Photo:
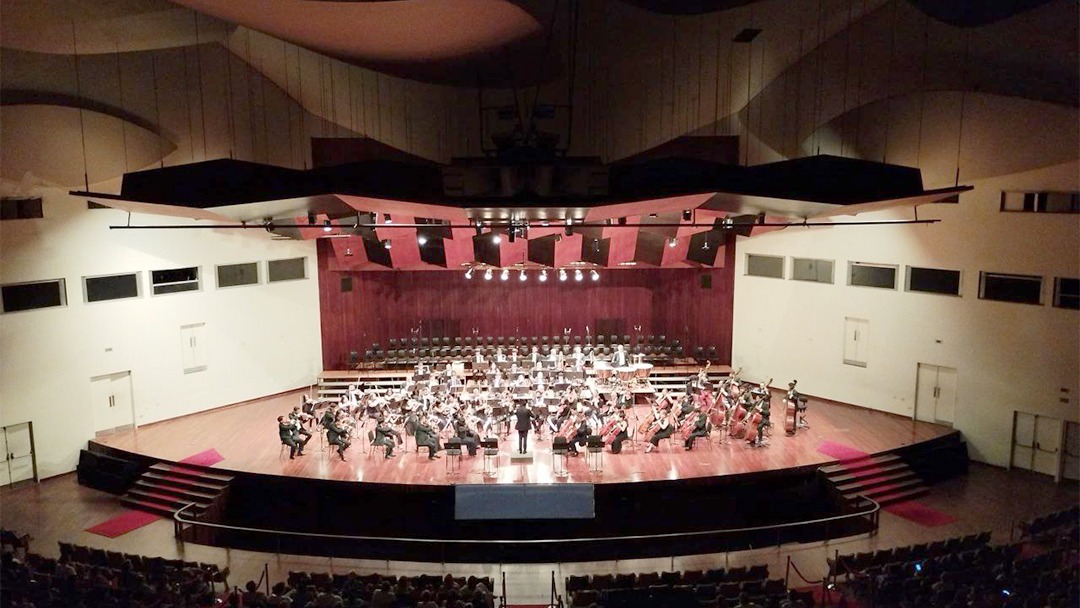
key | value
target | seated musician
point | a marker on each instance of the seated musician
(664, 429)
(288, 437)
(578, 358)
(619, 358)
(534, 357)
(621, 435)
(307, 405)
(298, 418)
(626, 399)
(500, 356)
(338, 435)
(427, 436)
(478, 358)
(468, 437)
(386, 435)
(581, 435)
(700, 429)
(328, 416)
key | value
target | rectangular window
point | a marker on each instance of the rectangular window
(234, 275)
(174, 280)
(1023, 289)
(862, 274)
(1067, 293)
(286, 270)
(1041, 202)
(764, 266)
(12, 208)
(816, 271)
(31, 295)
(111, 287)
(933, 280)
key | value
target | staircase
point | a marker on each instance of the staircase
(165, 488)
(885, 478)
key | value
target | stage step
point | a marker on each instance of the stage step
(885, 478)
(165, 488)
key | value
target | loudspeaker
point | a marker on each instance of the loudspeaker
(106, 473)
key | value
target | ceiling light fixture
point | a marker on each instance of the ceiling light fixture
(578, 275)
(521, 276)
(543, 275)
(505, 275)
(672, 242)
(569, 229)
(479, 227)
(705, 245)
(386, 243)
(595, 275)
(327, 226)
(495, 238)
(468, 273)
(421, 240)
(687, 214)
(386, 217)
(562, 274)
(487, 275)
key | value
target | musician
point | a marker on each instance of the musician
(337, 435)
(328, 416)
(663, 429)
(297, 417)
(468, 437)
(426, 436)
(386, 435)
(625, 399)
(763, 409)
(523, 423)
(307, 405)
(578, 358)
(556, 357)
(619, 358)
(500, 356)
(581, 434)
(700, 430)
(478, 358)
(534, 357)
(285, 433)
(621, 426)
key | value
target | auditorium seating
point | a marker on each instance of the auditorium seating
(719, 588)
(407, 352)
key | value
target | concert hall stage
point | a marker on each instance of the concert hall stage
(409, 500)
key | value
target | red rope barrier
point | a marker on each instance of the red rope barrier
(800, 574)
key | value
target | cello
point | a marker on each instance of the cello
(791, 403)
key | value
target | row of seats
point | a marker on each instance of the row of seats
(767, 593)
(153, 566)
(1047, 523)
(529, 341)
(717, 576)
(338, 581)
(857, 562)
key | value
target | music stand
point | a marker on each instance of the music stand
(594, 452)
(559, 448)
(491, 455)
(453, 454)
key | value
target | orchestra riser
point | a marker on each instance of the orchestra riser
(165, 488)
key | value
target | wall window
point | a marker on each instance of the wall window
(1041, 202)
(1024, 289)
(933, 280)
(817, 271)
(286, 270)
(35, 294)
(1067, 293)
(765, 266)
(111, 287)
(175, 280)
(17, 208)
(234, 275)
(863, 274)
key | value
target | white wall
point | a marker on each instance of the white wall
(1008, 356)
(261, 339)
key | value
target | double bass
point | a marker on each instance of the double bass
(688, 425)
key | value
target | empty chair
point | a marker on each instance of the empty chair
(500, 341)
(425, 342)
(625, 581)
(758, 573)
(693, 577)
(715, 576)
(736, 574)
(577, 340)
(647, 579)
(393, 343)
(710, 353)
(583, 598)
(699, 353)
(626, 339)
(729, 591)
(602, 581)
(670, 578)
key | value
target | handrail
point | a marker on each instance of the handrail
(873, 510)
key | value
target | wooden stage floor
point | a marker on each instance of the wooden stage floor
(246, 436)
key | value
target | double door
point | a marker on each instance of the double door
(19, 462)
(112, 404)
(935, 394)
(1045, 444)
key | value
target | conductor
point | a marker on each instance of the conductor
(524, 418)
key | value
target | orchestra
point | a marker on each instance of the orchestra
(573, 396)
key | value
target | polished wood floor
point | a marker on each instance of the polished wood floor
(246, 436)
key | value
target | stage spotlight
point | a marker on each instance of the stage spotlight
(595, 276)
(578, 275)
(562, 274)
(505, 275)
(672, 242)
(521, 276)
(479, 227)
(687, 214)
(327, 226)
(496, 239)
(468, 273)
(386, 243)
(487, 275)
(386, 217)
(421, 240)
(569, 229)
(543, 275)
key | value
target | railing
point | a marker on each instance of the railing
(870, 515)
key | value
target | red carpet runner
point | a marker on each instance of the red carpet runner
(911, 510)
(124, 523)
(204, 459)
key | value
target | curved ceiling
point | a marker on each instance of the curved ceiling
(462, 42)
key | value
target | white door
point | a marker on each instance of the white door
(111, 402)
(855, 341)
(5, 471)
(20, 452)
(1048, 446)
(1070, 457)
(193, 347)
(1023, 448)
(935, 394)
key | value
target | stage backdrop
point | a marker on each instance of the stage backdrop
(693, 305)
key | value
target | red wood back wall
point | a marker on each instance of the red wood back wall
(388, 304)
